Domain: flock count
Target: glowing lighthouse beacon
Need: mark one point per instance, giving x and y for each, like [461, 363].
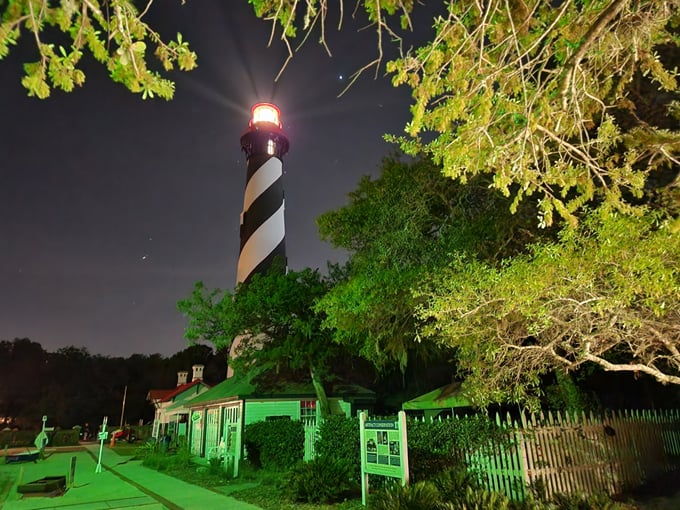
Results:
[263, 234]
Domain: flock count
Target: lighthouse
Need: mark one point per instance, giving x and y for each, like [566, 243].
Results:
[262, 232]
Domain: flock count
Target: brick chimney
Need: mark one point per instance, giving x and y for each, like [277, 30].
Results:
[198, 373]
[182, 378]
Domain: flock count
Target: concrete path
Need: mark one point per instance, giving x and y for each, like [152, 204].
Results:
[122, 483]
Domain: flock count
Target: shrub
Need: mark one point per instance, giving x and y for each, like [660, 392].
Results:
[13, 438]
[275, 444]
[164, 461]
[480, 499]
[339, 437]
[453, 483]
[436, 446]
[67, 437]
[216, 465]
[419, 496]
[596, 501]
[322, 480]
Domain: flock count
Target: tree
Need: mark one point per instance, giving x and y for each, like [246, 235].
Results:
[274, 318]
[543, 96]
[113, 31]
[575, 105]
[19, 394]
[606, 293]
[548, 98]
[400, 228]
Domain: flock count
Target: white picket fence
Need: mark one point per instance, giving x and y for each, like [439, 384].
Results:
[571, 453]
[311, 433]
[563, 453]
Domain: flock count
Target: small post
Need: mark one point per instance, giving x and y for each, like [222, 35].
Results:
[362, 442]
[122, 411]
[102, 437]
[72, 473]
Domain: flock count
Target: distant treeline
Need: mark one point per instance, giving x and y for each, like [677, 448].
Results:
[72, 386]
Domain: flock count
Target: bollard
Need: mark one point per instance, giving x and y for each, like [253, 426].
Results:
[72, 473]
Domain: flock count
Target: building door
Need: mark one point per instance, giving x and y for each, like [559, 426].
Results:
[212, 432]
[231, 436]
[197, 432]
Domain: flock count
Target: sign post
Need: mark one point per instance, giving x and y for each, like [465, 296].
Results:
[102, 437]
[384, 449]
[41, 440]
[72, 473]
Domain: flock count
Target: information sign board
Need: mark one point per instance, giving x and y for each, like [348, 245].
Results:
[384, 449]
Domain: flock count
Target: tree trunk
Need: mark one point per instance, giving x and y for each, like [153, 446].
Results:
[324, 407]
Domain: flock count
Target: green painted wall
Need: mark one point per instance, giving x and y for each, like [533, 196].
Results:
[340, 407]
[259, 411]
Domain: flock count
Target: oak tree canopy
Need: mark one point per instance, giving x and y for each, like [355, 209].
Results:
[557, 100]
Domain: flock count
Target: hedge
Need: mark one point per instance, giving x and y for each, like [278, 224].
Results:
[275, 444]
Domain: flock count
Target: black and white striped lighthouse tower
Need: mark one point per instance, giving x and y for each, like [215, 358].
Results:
[263, 233]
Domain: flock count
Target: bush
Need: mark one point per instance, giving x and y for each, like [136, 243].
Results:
[156, 459]
[419, 496]
[596, 501]
[339, 437]
[216, 465]
[436, 446]
[68, 437]
[322, 480]
[13, 438]
[453, 483]
[480, 499]
[275, 444]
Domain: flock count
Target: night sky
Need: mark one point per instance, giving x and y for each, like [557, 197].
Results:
[112, 207]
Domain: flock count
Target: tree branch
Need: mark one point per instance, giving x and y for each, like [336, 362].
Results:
[593, 33]
[633, 367]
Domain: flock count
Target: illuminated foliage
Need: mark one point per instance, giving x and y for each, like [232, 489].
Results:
[571, 102]
[275, 324]
[607, 292]
[437, 264]
[400, 228]
[113, 31]
[550, 98]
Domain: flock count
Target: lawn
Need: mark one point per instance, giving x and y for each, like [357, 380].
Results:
[256, 486]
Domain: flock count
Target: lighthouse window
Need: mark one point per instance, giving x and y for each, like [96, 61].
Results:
[271, 147]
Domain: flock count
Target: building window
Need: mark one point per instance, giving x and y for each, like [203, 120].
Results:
[307, 409]
[276, 418]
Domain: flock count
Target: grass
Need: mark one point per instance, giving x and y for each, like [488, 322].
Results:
[268, 495]
[256, 486]
[6, 482]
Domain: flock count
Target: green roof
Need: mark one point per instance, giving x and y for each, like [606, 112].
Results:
[181, 406]
[241, 387]
[445, 397]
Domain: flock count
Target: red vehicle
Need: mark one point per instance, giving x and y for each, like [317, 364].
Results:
[125, 435]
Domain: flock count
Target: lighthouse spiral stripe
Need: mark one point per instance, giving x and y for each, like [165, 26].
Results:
[262, 219]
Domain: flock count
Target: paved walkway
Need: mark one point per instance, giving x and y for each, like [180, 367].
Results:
[122, 483]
